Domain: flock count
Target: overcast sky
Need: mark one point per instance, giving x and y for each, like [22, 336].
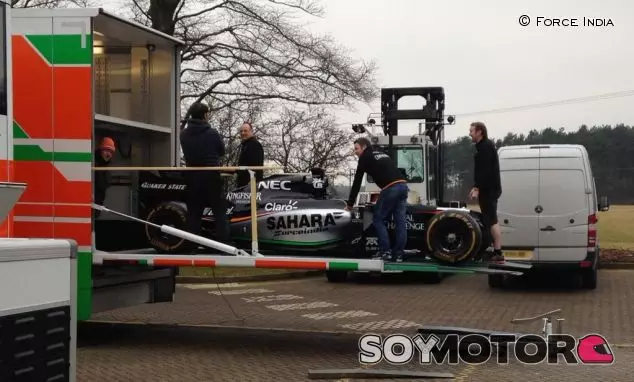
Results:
[485, 59]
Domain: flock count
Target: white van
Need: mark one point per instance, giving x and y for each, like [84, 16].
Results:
[548, 209]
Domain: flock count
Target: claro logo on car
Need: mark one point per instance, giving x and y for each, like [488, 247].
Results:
[290, 206]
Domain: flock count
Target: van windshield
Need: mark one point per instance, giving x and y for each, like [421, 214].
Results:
[410, 159]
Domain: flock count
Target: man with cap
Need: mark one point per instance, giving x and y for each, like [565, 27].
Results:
[103, 156]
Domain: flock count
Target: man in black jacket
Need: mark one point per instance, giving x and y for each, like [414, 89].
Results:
[392, 199]
[203, 147]
[487, 186]
[251, 154]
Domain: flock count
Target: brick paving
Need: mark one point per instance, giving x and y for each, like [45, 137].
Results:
[140, 353]
[396, 304]
[387, 305]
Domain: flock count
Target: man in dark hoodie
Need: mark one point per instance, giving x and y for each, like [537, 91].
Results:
[103, 156]
[203, 147]
[251, 154]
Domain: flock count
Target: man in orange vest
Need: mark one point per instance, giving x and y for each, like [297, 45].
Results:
[103, 156]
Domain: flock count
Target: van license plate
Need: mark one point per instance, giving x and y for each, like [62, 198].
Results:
[518, 255]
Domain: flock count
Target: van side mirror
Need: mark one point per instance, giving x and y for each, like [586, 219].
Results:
[604, 204]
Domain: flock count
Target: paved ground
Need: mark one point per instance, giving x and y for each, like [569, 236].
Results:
[386, 306]
[140, 353]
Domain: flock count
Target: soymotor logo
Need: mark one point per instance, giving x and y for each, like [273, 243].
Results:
[399, 349]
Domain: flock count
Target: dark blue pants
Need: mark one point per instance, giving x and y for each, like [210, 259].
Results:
[391, 204]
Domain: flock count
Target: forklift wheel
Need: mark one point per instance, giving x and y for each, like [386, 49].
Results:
[337, 276]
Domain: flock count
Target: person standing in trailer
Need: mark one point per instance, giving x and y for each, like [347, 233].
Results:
[203, 147]
[251, 154]
[103, 157]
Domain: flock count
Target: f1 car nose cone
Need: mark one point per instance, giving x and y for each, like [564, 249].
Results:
[593, 348]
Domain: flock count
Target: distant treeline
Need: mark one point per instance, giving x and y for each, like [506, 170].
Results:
[611, 151]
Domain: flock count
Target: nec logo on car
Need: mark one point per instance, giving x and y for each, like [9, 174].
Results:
[275, 185]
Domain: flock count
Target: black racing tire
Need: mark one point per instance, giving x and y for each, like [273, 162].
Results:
[453, 237]
[170, 214]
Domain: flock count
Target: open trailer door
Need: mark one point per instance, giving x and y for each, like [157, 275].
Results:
[78, 59]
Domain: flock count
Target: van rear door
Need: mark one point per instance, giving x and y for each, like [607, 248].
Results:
[563, 230]
[519, 223]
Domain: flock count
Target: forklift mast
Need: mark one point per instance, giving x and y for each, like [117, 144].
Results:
[432, 113]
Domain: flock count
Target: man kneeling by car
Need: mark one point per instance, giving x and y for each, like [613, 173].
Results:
[392, 199]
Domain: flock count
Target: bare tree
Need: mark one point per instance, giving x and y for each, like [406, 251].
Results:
[303, 139]
[227, 121]
[251, 50]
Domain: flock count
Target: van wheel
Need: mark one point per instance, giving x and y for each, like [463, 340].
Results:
[453, 237]
[336, 276]
[496, 281]
[173, 215]
[589, 278]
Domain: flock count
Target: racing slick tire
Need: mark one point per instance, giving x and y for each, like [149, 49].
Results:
[174, 215]
[453, 237]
